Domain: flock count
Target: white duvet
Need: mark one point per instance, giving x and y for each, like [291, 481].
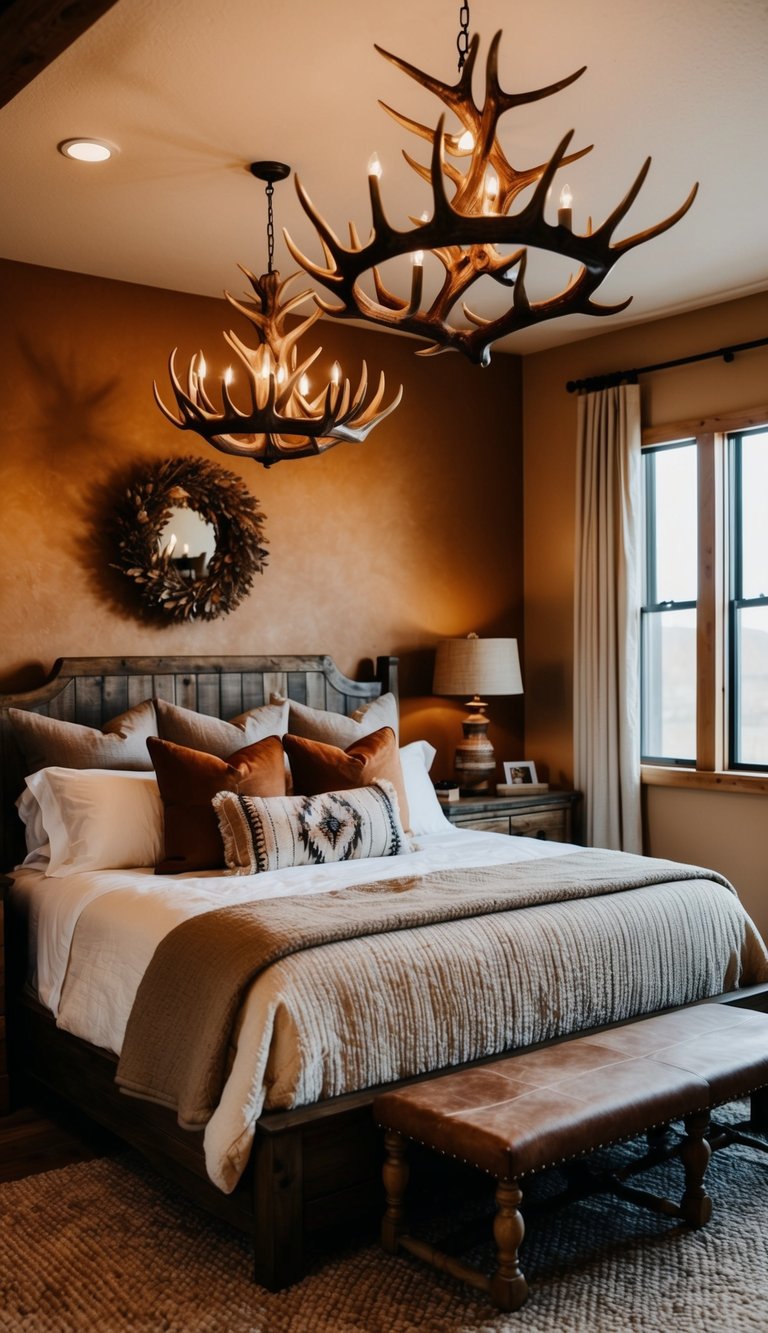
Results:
[92, 936]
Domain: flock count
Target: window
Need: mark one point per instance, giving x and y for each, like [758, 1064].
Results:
[704, 616]
[748, 602]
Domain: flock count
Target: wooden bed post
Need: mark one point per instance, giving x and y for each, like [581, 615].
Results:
[278, 1205]
[386, 674]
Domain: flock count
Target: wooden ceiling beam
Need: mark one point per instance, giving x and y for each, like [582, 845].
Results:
[34, 32]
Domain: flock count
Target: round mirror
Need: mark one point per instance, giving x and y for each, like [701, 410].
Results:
[188, 541]
[190, 535]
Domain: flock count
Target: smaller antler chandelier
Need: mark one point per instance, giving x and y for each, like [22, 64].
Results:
[464, 231]
[282, 419]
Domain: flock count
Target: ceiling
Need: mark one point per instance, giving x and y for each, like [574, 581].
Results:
[191, 92]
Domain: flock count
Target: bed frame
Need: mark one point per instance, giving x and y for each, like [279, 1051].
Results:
[311, 1169]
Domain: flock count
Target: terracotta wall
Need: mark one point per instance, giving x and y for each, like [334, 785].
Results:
[727, 831]
[377, 548]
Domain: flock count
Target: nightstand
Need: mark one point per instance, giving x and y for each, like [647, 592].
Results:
[5, 1090]
[546, 814]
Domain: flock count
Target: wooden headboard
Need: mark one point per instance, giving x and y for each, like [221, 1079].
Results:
[91, 690]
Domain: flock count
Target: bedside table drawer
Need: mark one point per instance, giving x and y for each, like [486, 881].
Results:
[485, 825]
[546, 814]
[539, 824]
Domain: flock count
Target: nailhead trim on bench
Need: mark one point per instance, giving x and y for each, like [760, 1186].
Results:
[686, 1032]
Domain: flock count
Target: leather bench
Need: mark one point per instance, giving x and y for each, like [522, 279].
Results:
[520, 1114]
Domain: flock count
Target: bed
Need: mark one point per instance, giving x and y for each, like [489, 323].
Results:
[287, 1146]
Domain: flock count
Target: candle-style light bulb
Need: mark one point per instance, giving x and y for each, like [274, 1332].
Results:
[564, 213]
[491, 189]
[171, 547]
[417, 258]
[336, 374]
[281, 374]
[466, 142]
[304, 385]
[374, 166]
[229, 375]
[202, 369]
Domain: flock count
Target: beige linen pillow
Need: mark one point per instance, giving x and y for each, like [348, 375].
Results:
[273, 833]
[211, 735]
[316, 724]
[47, 742]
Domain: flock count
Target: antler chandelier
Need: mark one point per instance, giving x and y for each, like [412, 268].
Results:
[281, 420]
[466, 229]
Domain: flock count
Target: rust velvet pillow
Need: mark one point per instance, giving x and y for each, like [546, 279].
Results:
[189, 780]
[317, 767]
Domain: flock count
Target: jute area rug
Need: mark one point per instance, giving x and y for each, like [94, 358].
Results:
[106, 1245]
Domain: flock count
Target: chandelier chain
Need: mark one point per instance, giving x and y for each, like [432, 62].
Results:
[270, 228]
[462, 41]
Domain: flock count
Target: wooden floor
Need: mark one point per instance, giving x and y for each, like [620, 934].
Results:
[47, 1135]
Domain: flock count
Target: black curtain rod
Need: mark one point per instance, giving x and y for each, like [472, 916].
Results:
[630, 376]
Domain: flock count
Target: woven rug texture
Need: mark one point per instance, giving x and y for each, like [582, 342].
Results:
[107, 1245]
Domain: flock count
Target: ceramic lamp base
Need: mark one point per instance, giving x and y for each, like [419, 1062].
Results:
[475, 761]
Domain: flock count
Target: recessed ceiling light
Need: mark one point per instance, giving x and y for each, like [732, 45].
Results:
[87, 150]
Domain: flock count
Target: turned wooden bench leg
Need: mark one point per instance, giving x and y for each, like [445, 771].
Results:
[508, 1288]
[395, 1173]
[695, 1152]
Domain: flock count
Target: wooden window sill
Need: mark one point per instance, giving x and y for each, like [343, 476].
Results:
[657, 775]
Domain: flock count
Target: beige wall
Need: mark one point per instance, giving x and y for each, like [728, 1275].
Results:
[380, 548]
[727, 831]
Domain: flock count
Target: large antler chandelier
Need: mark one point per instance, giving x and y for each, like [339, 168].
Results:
[465, 230]
[282, 419]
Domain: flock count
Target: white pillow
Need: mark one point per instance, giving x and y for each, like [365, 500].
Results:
[426, 814]
[98, 819]
[31, 817]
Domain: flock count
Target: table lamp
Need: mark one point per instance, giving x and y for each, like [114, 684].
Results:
[476, 667]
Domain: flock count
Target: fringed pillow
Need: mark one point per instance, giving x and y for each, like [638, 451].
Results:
[274, 832]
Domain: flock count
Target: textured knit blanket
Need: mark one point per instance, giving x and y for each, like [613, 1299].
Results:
[179, 1037]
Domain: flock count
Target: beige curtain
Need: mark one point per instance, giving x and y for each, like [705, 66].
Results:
[607, 617]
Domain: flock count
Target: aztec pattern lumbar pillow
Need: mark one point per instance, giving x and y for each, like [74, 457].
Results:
[271, 833]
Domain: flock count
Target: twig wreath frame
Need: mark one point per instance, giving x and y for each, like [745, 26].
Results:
[221, 499]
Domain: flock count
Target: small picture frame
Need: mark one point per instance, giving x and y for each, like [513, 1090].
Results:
[520, 772]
